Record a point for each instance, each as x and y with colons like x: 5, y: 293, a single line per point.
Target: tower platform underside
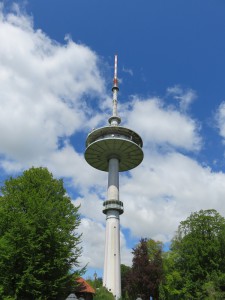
x: 118, y: 142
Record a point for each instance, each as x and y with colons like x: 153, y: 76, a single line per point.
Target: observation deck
x: 114, y: 142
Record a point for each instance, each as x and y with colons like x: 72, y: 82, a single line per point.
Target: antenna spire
x: 115, y: 120
x: 115, y: 80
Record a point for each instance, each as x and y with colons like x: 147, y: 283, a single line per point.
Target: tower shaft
x: 113, y: 179
x: 112, y: 274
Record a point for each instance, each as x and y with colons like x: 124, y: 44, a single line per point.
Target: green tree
x: 103, y: 294
x: 154, y: 248
x: 95, y: 283
x: 38, y: 240
x: 171, y: 286
x: 195, y: 266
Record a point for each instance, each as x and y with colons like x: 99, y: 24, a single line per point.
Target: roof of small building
x: 84, y: 287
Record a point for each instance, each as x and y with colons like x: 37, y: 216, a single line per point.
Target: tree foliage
x: 95, y: 283
x: 146, y: 272
x: 38, y: 239
x: 103, y: 294
x: 195, y: 266
x: 125, y: 273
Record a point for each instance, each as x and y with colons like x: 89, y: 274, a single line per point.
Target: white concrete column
x: 113, y: 179
x: 112, y: 274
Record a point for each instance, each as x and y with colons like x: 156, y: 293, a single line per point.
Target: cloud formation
x: 43, y: 90
x: 184, y: 97
x: 220, y: 120
x: 163, y: 125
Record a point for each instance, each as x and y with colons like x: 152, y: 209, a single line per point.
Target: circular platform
x: 114, y: 141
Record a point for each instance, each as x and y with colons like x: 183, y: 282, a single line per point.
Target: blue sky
x: 56, y: 69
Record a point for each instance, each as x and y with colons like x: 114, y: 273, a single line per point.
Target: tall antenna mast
x: 115, y: 120
x: 115, y: 80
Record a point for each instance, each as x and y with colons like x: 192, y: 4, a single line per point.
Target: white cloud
x: 159, y: 124
x: 91, y: 206
x: 43, y: 89
x: 185, y: 97
x: 220, y: 120
x: 93, y: 236
x: 128, y: 71
x: 164, y: 190
x: 66, y: 162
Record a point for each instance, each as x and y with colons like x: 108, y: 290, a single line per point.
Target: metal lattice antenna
x: 115, y: 120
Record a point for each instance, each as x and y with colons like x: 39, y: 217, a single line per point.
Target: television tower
x: 113, y: 149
